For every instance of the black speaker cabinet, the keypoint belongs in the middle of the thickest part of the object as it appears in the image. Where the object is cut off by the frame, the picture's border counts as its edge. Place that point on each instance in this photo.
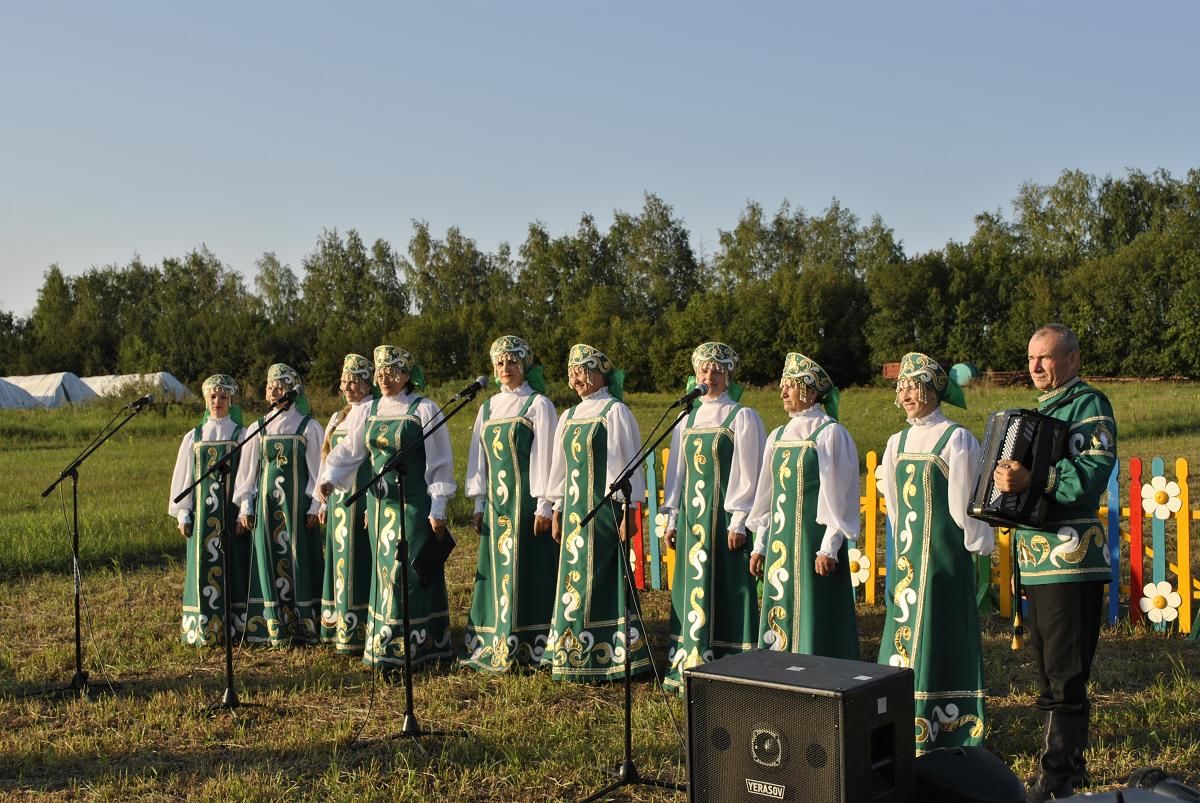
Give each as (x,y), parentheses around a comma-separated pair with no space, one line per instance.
(777,726)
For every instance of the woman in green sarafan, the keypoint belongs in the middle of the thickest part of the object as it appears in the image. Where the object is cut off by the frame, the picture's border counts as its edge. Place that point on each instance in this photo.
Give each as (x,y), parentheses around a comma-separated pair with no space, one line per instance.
(348,552)
(805,509)
(378,431)
(508,466)
(593,443)
(276,491)
(710,482)
(932,624)
(217,434)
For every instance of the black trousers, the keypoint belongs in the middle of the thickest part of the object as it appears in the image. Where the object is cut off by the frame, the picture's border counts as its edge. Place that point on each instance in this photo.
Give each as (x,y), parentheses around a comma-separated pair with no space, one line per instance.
(1064,627)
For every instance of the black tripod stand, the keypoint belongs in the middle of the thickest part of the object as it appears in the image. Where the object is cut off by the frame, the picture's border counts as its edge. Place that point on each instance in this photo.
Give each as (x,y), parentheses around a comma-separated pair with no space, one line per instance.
(79,683)
(411,727)
(229,699)
(626,771)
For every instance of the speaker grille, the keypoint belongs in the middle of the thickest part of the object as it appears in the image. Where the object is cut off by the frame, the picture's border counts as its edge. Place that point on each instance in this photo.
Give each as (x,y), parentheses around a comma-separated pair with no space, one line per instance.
(792,740)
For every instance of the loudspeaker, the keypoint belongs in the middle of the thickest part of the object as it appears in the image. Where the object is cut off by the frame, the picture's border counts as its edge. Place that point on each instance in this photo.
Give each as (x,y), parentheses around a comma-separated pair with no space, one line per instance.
(766,725)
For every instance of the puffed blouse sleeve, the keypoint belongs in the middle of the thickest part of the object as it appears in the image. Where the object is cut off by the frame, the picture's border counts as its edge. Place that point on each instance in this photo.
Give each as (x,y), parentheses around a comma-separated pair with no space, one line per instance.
(624,438)
(887,478)
(341,464)
(314,436)
(542,413)
(439,462)
(749,435)
(673,481)
(837,501)
(476,479)
(181,478)
(962,457)
(245,487)
(558,466)
(759,521)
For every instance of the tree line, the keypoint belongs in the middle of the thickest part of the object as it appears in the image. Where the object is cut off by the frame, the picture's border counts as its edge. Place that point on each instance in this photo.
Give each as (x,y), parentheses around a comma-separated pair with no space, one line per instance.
(1117,259)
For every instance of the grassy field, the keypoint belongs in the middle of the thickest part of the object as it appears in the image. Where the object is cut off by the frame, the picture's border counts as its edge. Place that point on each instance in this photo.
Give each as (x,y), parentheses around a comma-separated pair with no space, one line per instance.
(523,737)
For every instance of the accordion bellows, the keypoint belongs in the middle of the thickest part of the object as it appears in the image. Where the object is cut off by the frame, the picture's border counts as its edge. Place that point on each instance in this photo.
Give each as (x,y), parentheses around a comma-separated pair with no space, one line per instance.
(1036,441)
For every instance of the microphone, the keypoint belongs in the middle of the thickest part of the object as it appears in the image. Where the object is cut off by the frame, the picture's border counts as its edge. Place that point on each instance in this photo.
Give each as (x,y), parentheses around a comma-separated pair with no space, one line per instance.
(683,401)
(141,404)
(470,390)
(1160,783)
(286,400)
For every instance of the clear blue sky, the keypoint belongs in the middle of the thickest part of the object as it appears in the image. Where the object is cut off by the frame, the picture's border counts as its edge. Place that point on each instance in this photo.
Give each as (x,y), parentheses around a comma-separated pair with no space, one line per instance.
(152,128)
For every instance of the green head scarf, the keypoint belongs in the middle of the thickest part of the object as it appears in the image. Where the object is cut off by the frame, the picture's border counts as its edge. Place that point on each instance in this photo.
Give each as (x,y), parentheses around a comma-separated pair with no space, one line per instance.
(800,369)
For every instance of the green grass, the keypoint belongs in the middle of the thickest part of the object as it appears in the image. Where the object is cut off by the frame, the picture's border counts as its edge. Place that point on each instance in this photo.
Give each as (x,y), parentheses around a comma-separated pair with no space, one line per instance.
(525,737)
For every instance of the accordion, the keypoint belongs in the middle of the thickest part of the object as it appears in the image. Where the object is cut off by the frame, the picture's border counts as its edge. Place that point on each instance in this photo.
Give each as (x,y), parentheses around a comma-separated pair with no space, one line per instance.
(1034,440)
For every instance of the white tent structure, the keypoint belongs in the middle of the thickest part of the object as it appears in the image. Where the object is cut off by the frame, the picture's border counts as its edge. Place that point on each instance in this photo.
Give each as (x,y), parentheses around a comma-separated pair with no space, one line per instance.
(54,390)
(162,384)
(12,396)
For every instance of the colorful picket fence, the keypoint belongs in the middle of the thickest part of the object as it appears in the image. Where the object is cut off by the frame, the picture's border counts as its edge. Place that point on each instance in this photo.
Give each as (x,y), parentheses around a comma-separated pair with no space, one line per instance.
(1151,565)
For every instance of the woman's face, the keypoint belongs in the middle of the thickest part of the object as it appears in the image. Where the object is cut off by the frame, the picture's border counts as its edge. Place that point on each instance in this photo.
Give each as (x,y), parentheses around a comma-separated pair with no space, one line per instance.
(276,391)
(584,380)
(715,377)
(509,371)
(354,388)
(218,401)
(910,400)
(796,396)
(391,380)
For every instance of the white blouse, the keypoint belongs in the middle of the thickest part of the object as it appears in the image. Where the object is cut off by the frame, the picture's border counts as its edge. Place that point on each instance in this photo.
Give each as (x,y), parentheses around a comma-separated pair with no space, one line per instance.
(749,435)
(962,457)
(214,429)
(507,404)
(338,423)
(245,490)
(342,462)
(838,497)
(624,438)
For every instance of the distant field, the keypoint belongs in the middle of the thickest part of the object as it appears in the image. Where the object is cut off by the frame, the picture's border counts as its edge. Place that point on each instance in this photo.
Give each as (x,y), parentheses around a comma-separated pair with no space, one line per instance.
(527,738)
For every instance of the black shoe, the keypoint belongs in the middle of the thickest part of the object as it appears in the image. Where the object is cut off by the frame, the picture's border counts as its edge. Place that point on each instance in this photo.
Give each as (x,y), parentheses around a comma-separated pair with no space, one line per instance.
(1046,788)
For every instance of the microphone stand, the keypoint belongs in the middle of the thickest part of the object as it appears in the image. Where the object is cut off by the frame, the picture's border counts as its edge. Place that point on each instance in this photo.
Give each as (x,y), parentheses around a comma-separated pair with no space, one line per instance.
(627,772)
(229,699)
(411,727)
(79,683)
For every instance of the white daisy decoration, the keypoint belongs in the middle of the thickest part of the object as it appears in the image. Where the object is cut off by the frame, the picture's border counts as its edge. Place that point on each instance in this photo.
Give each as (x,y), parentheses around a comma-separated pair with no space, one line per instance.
(660,524)
(1161,498)
(879,478)
(860,567)
(1160,602)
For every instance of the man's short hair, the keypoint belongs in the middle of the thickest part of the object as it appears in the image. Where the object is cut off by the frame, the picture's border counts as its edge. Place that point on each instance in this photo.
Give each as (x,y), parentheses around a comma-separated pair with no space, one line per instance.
(1066,336)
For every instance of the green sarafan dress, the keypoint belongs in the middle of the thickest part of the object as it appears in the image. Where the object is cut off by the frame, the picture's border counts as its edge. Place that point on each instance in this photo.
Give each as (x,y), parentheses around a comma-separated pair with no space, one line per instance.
(348,560)
(511,606)
(203,583)
(429,607)
(285,584)
(714,610)
(803,612)
(587,638)
(932,622)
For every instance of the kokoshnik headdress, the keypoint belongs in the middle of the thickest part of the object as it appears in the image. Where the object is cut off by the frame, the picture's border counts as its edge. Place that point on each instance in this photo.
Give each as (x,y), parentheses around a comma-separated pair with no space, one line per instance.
(723,357)
(591,359)
(923,373)
(801,370)
(228,384)
(398,359)
(285,374)
(511,344)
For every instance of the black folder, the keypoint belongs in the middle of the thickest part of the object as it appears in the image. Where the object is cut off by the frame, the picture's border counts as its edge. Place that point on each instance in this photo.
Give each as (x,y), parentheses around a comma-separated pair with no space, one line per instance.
(430,561)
